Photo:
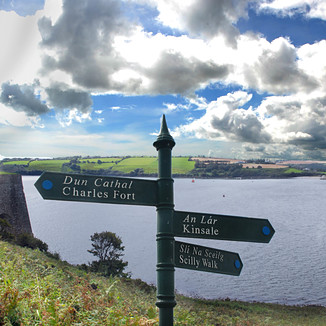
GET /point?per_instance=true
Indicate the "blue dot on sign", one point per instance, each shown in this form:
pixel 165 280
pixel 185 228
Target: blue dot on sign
pixel 47 184
pixel 237 264
pixel 266 230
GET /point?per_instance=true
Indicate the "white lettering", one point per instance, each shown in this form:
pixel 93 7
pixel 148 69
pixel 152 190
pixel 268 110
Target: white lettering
pixel 75 192
pixel 66 191
pixel 98 182
pixel 184 248
pixel 75 181
pixel 208 220
pixel 196 251
pixel 210 263
pixel 214 254
pixel 189 260
pixel 187 228
pixel 68 180
pixel 123 196
pixel 189 219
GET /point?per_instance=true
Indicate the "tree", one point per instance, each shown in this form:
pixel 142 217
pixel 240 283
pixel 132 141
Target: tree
pixel 107 246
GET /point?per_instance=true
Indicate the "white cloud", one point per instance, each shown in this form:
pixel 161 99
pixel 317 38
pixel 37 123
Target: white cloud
pixel 296 120
pixel 19 55
pixel 10 117
pixel 311 60
pixel 99 52
pixel 27 142
pixel 52 9
pixel 208 20
pixel 225 119
pixel 310 8
pixel 273 67
pixel 119 108
pixel 295 123
pixel 67 117
pixel 172 107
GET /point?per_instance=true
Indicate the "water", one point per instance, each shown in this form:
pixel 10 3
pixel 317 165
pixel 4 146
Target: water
pixel 291 269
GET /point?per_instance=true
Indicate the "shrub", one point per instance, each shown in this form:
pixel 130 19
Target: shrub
pixel 5 229
pixel 107 246
pixel 29 241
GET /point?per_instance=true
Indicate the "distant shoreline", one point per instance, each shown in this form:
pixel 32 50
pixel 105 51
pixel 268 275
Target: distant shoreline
pixel 182 167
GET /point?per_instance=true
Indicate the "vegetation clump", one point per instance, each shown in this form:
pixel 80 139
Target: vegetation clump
pixel 22 239
pixel 108 248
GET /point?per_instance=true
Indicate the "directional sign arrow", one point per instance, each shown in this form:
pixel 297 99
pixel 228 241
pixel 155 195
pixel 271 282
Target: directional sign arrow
pixel 221 227
pixel 199 258
pixel 99 189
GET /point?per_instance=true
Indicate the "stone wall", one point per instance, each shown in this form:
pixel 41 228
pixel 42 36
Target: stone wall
pixel 13 203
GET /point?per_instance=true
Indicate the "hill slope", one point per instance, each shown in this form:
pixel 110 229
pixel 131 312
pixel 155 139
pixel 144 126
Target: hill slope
pixel 38 290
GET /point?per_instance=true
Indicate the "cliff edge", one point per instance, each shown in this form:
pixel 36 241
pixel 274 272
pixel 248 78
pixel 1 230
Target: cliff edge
pixel 13 207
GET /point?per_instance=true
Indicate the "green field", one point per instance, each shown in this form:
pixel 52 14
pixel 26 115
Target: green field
pixel 182 165
pixel 38 165
pixel 148 164
pixel 16 162
pixel 93 163
pixel 292 170
pixel 46 165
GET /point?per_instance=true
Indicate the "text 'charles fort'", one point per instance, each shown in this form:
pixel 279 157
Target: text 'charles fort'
pixel 98 188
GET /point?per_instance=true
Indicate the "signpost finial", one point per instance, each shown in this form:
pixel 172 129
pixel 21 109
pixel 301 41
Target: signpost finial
pixel 164 139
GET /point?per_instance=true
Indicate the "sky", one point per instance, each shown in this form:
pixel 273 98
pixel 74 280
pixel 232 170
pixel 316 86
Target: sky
pixel 234 78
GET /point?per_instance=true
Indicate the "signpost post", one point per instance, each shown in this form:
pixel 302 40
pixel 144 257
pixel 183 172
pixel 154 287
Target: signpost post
pixel 164 236
pixel 170 223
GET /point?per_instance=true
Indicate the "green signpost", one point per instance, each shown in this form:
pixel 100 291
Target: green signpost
pixel 221 227
pixel 206 259
pixel 170 223
pixel 98 189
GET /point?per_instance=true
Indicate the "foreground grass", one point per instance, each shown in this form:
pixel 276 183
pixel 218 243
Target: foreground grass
pixel 38 290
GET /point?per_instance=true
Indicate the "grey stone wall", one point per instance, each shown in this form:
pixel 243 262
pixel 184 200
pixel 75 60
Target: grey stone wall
pixel 13 203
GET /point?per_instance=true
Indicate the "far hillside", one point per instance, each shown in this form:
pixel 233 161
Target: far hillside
pixel 131 166
pixel 147 166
